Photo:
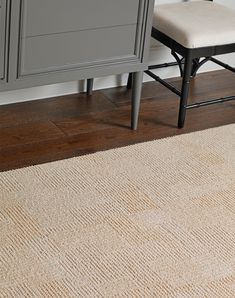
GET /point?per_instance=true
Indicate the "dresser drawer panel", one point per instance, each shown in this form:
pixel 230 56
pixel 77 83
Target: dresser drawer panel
pixel 43 54
pixel 42 17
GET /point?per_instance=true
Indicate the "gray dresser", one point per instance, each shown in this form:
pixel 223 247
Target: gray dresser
pixel 51 41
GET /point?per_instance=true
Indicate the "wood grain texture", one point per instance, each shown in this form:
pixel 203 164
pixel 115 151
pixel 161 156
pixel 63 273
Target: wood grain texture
pixel 47 130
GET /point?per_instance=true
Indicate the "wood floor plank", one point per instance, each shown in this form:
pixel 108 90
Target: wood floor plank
pixel 34 153
pixel 74 105
pixel 28 133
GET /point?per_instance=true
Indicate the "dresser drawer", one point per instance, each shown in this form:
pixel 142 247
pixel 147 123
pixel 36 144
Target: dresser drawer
pixel 68 50
pixel 56 16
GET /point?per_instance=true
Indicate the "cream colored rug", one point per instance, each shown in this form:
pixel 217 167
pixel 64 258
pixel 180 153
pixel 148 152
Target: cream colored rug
pixel 155 219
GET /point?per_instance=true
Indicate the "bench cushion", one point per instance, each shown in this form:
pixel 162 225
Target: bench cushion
pixel 196 24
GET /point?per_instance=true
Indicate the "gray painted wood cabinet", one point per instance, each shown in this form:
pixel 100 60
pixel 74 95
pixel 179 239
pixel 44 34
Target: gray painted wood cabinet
pixel 51 41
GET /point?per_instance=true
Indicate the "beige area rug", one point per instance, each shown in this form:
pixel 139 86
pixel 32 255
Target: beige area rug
pixel 155 219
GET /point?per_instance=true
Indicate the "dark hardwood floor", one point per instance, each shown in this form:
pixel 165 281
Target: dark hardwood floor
pixel 57 128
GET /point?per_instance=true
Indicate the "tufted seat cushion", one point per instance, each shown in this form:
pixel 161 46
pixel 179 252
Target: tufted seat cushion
pixel 196 24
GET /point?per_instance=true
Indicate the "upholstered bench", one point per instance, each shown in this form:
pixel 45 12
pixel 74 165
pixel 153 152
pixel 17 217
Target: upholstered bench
pixel 194 30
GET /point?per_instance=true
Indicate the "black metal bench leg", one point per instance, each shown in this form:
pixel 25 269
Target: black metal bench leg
pixel 185 90
pixel 90 83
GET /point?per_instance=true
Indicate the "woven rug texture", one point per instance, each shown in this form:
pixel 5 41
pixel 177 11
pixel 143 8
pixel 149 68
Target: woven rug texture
pixel 156 219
